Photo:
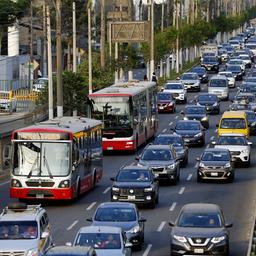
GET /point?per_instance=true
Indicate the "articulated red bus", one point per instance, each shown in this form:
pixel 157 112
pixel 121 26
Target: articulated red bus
pixel 128 112
pixel 56 159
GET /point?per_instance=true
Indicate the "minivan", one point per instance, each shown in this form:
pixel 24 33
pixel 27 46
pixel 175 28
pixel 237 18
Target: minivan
pixel 218 85
pixel 233 122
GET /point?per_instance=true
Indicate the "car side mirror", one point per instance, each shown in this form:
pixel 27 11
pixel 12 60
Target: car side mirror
pixel 45 235
pixel 213 142
pixel 249 143
pixel 89 219
pixel 178 78
pixel 197 159
pixel 172 129
pixel 137 158
pixel 112 178
pixel 68 244
pixel 142 220
pixel 217 125
pixel 171 224
pixel 182 112
pixel 128 245
pixel 228 225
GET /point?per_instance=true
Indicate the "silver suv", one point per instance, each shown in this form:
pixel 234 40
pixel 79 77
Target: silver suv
pixel 218 85
pixel 24 230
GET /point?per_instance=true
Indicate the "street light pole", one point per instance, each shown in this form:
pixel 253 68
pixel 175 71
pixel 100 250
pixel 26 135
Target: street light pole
pixel 74 37
pixel 59 60
pixel 89 48
pixel 152 62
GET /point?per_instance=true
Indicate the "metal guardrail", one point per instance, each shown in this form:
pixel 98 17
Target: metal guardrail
pixel 252 243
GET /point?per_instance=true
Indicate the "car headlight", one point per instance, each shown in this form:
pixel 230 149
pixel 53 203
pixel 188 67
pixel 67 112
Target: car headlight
pixel 201 165
pixel 227 165
pixel 218 239
pixel 181 239
pixel 115 189
pixel 245 151
pixel 148 189
pixel 172 166
pixel 185 118
pixel 253 124
pixel 204 118
pixel 215 104
pixel 32 252
pixel 199 135
pixel 134 230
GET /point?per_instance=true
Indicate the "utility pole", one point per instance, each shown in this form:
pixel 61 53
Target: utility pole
pixel 49 51
pixel 162 29
pixel 59 60
pixel 74 37
pixel 102 35
pixel 31 47
pixel 44 41
pixel 152 62
pixel 177 39
pixel 89 47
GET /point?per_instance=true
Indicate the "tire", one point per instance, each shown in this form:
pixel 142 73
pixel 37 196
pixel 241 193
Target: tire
pixel 231 178
pixel 157 199
pixel 152 205
pixel 138 247
pixel 174 110
pixel 202 143
pixel 248 163
pixel 199 180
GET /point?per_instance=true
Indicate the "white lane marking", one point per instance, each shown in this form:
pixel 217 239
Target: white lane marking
pixel 176 117
pixel 164 130
pixel 172 206
pixel 106 190
pixel 189 176
pixel 191 101
pixel 216 130
pixel 161 226
pixel 4 183
pixel 146 252
pixel 91 206
pixel 181 190
pixel 196 165
pixel 170 124
pixel 72 225
pixel 207 146
pixel 212 138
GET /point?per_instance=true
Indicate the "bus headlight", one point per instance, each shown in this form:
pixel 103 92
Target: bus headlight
pixel 64 184
pixel 16 183
pixel 115 189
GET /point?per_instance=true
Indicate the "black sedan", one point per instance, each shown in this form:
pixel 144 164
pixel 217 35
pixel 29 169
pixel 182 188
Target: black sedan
pixel 202 73
pixel 191 131
pixel 135 184
pixel 215 164
pixel 210 102
pixel 162 160
pixel 210 63
pixel 236 71
pixel 124 215
pixel 251 118
pixel 196 112
pixel 200 229
pixel 177 142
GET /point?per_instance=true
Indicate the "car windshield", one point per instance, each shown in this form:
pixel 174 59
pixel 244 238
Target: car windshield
pixel 33 159
pixel 157 154
pixel 189 77
pixel 200 71
pixel 173 86
pixel 133 176
pixel 244 57
pixel 164 96
pixel 99 240
pixel 233 123
pixel 215 156
pixel 245 98
pixel 195 110
pixel 210 97
pixel 172 140
pixel 231 140
pixel 251 79
pixel 250 87
pixel 10 230
pixel 209 59
pixel 251 115
pixel 187 126
pixel 218 83
pixel 115 214
pixel 226 74
pixel 236 62
pixel 233 68
pixel 200 220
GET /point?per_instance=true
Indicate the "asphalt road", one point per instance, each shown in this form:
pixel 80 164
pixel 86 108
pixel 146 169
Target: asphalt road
pixel 237 200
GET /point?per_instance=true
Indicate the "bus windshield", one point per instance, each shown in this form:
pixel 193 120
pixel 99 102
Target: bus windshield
pixel 41 159
pixel 113 111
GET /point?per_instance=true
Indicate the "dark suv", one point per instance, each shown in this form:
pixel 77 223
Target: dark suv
pixel 210 63
pixel 135 184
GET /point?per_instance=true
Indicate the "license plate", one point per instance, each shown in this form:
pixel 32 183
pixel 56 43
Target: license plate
pixel 131 197
pixel 39 195
pixel 156 175
pixel 198 250
pixel 207 108
pixel 214 174
pixel 109 148
pixel 161 107
pixel 186 140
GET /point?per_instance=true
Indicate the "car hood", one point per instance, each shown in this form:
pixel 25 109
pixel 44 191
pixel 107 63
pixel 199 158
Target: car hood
pixel 187 132
pixel 164 101
pixel 209 103
pixel 174 91
pixel 198 232
pixel 195 116
pixel 124 225
pixel 131 184
pixel 233 147
pixel 190 81
pixel 156 163
pixel 215 163
pixel 209 63
pixel 109 252
pixel 179 149
pixel 18 245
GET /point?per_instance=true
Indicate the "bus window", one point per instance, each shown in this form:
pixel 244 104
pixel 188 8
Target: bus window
pixel 75 153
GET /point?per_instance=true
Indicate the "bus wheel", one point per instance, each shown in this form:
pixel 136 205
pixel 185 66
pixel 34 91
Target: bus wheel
pixel 94 179
pixel 78 187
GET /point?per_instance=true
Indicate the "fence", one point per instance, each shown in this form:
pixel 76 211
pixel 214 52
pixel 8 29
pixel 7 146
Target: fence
pixel 17 96
pixel 252 244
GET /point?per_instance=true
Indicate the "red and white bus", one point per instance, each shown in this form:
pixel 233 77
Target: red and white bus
pixel 128 112
pixel 56 159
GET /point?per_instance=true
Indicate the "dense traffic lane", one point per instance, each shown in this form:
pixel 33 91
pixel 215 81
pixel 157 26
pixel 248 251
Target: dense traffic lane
pixel 236 199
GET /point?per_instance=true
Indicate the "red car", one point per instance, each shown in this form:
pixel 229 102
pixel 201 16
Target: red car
pixel 165 102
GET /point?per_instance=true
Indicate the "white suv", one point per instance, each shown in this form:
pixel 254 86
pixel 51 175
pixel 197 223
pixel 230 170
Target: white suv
pixel 177 89
pixel 24 230
pixel 239 147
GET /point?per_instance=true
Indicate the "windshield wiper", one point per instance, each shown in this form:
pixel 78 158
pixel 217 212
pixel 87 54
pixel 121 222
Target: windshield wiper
pixel 32 168
pixel 47 166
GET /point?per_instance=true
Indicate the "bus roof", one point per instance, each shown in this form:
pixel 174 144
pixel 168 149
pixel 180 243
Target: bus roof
pixel 63 124
pixel 123 89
